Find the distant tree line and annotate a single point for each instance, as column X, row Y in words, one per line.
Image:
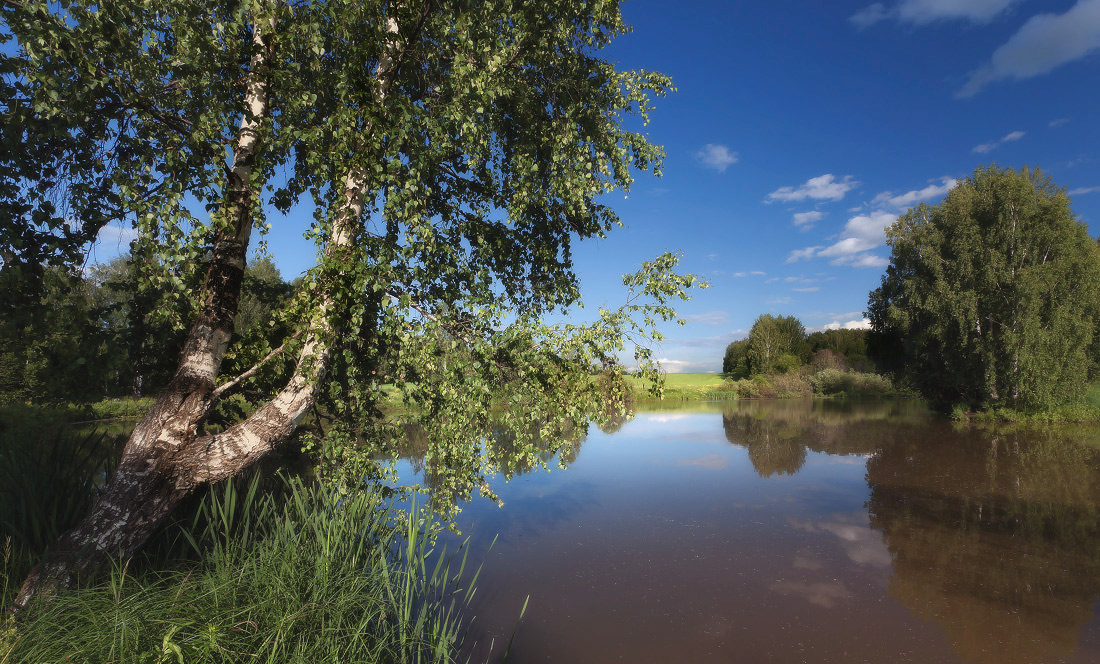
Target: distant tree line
column 106, row 332
column 780, row 344
column 991, row 300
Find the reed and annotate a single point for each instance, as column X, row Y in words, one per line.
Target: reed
column 305, row 573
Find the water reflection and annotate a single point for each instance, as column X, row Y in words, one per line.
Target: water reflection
column 995, row 536
column 801, row 531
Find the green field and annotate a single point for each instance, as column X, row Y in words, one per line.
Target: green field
column 686, row 386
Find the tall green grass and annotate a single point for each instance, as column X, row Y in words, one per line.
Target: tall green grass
column 257, row 570
column 316, row 575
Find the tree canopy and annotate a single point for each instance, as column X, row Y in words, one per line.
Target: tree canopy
column 776, row 343
column 991, row 297
column 452, row 152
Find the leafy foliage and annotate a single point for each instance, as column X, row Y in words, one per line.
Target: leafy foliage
column 992, row 297
column 776, row 343
column 452, row 154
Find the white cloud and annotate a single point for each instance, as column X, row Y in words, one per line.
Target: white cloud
column 116, row 235
column 806, row 220
column 709, row 317
column 921, row 12
column 861, row 324
column 718, row 157
column 1044, row 43
column 1058, row 123
column 739, row 274
column 682, row 366
column 860, row 260
column 862, row 233
column 811, row 289
column 915, row 196
column 823, row 187
column 1083, row 190
column 757, row 273
column 870, row 15
column 988, row 147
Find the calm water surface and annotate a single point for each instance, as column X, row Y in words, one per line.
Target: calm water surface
column 797, row 531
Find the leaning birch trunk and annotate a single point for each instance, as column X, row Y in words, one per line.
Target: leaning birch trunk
column 146, row 485
column 164, row 460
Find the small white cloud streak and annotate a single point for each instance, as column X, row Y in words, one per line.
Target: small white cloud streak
column 1044, row 43
column 989, row 147
column 811, row 289
column 709, row 317
column 716, row 156
column 915, row 196
column 805, row 220
column 1058, row 123
column 921, row 12
column 1083, row 190
column 870, row 15
column 822, row 188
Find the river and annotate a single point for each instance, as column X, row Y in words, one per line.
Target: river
column 795, row 531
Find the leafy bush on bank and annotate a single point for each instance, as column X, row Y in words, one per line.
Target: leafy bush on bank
column 827, row 382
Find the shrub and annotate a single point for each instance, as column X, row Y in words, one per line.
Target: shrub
column 791, row 385
column 834, row 381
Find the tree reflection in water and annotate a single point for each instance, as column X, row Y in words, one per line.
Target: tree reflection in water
column 993, row 533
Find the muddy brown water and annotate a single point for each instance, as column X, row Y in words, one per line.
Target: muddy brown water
column 796, row 531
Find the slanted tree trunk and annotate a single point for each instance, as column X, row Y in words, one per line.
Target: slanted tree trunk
column 153, row 474
column 165, row 460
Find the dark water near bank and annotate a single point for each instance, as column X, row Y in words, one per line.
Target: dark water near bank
column 798, row 531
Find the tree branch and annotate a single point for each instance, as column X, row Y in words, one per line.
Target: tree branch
column 220, row 391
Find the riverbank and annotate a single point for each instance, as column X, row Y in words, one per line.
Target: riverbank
column 830, row 383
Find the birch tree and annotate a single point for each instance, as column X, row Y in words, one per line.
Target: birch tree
column 452, row 152
column 991, row 297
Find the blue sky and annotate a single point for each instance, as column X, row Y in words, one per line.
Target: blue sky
column 800, row 129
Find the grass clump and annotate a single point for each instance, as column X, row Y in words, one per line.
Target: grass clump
column 306, row 574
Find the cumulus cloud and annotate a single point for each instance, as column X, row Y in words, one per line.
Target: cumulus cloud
column 988, row 147
column 860, row 324
column 757, row 273
column 806, row 220
column 1044, row 43
column 862, row 233
column 921, row 12
column 682, row 366
column 718, row 157
column 907, row 199
column 823, row 188
column 1083, row 190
